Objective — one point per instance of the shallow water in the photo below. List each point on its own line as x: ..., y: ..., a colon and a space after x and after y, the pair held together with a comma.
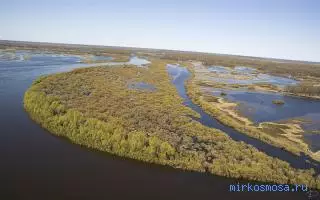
x: 253, y: 76
x: 258, y: 107
x: 134, y: 60
x: 142, y: 86
x: 37, y: 165
x: 39, y: 58
x: 181, y: 74
x: 219, y: 69
x: 313, y: 140
x: 49, y: 63
x: 258, y: 79
x: 312, y: 124
x: 312, y: 121
x: 101, y: 58
x: 244, y: 70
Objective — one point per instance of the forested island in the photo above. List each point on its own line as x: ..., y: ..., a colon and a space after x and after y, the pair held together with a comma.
x: 134, y: 110
x: 105, y: 108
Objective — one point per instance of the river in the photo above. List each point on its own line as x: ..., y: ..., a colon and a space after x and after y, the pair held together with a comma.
x: 181, y: 74
x: 37, y: 165
x: 258, y: 106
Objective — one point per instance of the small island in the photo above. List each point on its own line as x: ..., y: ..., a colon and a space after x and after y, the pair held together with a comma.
x: 223, y: 94
x: 278, y: 102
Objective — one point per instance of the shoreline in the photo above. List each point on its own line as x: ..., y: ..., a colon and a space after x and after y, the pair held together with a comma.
x: 55, y: 117
x: 233, y: 119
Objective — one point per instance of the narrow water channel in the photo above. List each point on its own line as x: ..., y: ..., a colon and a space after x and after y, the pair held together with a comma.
x: 181, y: 74
x: 37, y: 165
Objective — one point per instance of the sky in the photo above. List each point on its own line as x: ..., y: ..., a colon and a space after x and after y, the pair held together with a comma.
x: 288, y: 29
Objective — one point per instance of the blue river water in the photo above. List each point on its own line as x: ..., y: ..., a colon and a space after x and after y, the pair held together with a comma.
x: 37, y: 165
x: 181, y: 74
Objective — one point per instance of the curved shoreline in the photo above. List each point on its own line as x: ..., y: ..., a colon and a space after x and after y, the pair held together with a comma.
x: 54, y: 116
x: 295, y: 160
x: 195, y: 94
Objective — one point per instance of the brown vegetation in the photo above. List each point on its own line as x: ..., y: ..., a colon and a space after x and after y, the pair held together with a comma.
x: 305, y: 89
x: 278, y: 102
x: 238, y: 123
x: 93, y: 107
x: 296, y: 69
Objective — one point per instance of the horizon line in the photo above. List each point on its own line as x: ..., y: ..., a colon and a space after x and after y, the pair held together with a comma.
x: 177, y: 50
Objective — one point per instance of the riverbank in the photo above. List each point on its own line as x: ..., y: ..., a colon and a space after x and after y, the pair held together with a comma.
x: 85, y: 56
x: 95, y: 108
x: 225, y: 112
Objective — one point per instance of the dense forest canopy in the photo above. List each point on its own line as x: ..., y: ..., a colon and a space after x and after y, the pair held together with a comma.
x: 94, y: 107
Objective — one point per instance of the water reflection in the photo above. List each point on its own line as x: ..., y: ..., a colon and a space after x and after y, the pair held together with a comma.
x: 246, y: 76
x: 101, y: 58
x: 35, y: 64
x: 258, y: 107
x: 37, y: 165
x: 181, y: 74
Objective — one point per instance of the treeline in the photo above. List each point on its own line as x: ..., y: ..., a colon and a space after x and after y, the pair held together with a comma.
x: 118, y: 54
x: 95, y: 108
x: 70, y: 48
x: 273, y: 66
x: 271, y: 135
x: 293, y: 68
x: 306, y: 89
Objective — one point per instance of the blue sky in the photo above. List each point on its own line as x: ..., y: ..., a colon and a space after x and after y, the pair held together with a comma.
x: 287, y: 29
